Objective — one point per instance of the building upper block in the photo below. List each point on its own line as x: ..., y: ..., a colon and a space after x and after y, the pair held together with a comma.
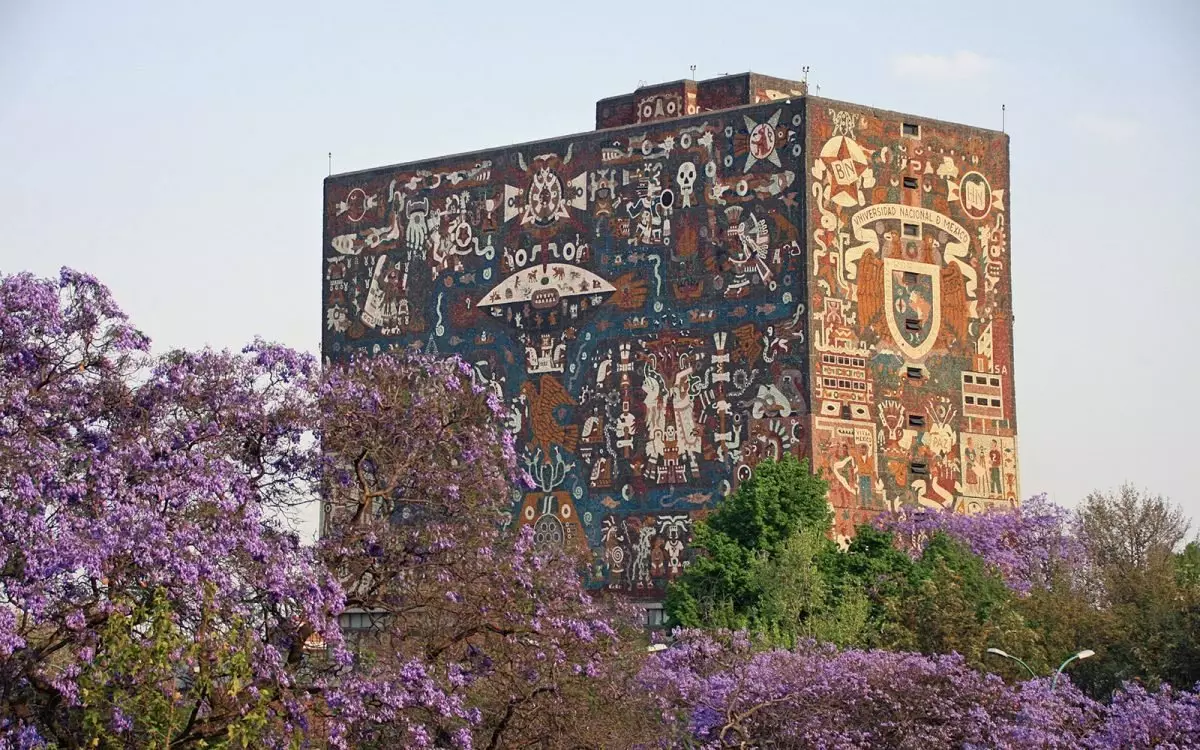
x: 667, y: 101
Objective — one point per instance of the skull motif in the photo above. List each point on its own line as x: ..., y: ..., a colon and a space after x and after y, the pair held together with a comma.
x: 686, y: 178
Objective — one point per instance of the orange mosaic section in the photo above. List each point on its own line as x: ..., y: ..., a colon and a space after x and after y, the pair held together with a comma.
x: 910, y: 312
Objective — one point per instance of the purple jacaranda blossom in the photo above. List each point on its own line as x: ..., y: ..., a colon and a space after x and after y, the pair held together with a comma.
x: 120, y: 723
x: 1168, y: 719
x: 715, y: 690
x: 142, y: 543
x: 501, y: 624
x: 1026, y: 545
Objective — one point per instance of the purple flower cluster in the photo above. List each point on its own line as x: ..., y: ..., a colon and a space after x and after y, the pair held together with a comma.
x: 1027, y: 545
x: 140, y: 506
x: 1168, y: 719
x: 425, y: 485
x: 714, y: 691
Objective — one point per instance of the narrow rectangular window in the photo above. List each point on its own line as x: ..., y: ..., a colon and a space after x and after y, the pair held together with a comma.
x: 912, y: 130
x: 995, y: 402
x: 995, y: 381
x: 912, y: 230
x: 912, y: 324
x: 910, y: 183
x: 916, y: 420
x: 970, y: 399
x: 968, y: 379
x: 915, y: 373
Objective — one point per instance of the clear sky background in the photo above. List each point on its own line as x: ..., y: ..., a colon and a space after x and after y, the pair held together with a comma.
x: 176, y: 150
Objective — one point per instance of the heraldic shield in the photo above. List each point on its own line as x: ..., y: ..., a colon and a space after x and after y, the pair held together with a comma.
x: 914, y: 311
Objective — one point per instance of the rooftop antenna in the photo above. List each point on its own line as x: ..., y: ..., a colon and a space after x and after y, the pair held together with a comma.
x: 693, y: 72
x: 818, y: 88
x: 331, y: 163
x: 805, y: 70
x: 1002, y: 107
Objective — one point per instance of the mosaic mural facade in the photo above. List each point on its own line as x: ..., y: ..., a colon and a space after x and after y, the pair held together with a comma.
x: 662, y: 305
x: 911, y: 325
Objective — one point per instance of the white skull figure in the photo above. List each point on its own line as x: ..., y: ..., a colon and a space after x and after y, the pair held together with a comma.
x: 686, y: 177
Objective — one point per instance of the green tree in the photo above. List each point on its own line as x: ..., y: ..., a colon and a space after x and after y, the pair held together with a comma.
x: 779, y: 499
x: 726, y: 585
x: 874, y: 569
x: 1127, y: 531
x: 1064, y: 615
x: 143, y: 646
x: 1187, y: 566
x: 952, y: 602
x: 797, y: 600
x: 1145, y: 619
x: 1183, y: 654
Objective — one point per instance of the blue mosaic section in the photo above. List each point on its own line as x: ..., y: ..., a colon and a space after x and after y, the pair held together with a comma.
x: 636, y: 296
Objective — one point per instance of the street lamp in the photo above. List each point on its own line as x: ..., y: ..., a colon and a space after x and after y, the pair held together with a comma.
x: 1007, y: 655
x: 1084, y: 654
x: 1081, y: 655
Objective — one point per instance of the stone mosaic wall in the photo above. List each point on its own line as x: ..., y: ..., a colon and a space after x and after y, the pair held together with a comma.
x: 636, y: 296
x: 911, y: 324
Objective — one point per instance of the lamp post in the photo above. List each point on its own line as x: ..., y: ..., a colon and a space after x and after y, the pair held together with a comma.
x: 1081, y: 655
x: 1007, y: 655
x: 1084, y: 654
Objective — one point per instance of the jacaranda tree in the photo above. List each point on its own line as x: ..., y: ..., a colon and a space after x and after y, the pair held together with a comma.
x: 1028, y: 545
x: 1109, y: 576
x: 716, y: 690
x: 151, y: 597
x: 145, y: 596
x: 420, y: 479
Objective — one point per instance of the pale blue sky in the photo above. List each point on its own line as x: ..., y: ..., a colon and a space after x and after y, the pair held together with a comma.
x: 177, y: 151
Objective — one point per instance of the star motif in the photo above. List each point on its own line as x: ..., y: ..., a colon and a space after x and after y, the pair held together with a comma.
x: 762, y: 141
x: 845, y: 163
